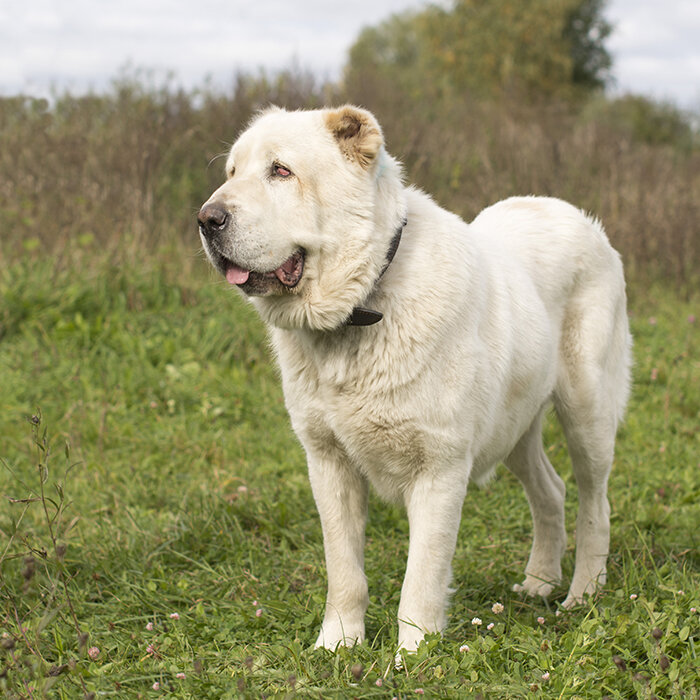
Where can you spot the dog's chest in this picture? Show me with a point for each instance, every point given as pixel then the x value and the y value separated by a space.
pixel 350 406
pixel 384 441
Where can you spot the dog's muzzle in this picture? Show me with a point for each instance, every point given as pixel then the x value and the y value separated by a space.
pixel 214 221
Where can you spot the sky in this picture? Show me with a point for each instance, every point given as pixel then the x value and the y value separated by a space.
pixel 82 45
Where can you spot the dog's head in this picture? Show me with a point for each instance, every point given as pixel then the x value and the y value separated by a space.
pixel 303 221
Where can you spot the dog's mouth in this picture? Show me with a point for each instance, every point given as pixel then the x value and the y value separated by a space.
pixel 288 274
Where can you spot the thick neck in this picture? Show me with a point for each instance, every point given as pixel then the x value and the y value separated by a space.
pixel 362 316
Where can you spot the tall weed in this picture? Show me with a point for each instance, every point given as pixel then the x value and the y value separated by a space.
pixel 129 169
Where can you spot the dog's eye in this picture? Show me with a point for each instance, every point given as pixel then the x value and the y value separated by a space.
pixel 280 170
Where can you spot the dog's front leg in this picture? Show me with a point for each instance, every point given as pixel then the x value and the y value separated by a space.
pixel 340 492
pixel 434 505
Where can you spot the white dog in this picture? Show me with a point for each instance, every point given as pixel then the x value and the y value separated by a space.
pixel 418 351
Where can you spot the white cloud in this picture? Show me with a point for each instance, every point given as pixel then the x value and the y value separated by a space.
pixel 656 49
pixel 78 43
pixel 84 43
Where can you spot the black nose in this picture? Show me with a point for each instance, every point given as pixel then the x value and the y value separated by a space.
pixel 212 218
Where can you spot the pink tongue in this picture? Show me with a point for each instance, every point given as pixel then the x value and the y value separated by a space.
pixel 237 275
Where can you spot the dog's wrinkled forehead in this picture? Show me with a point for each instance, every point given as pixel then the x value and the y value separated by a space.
pixel 277 136
pixel 352 134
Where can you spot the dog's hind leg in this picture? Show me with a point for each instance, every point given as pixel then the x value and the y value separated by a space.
pixel 545 493
pixel 590 397
pixel 591 448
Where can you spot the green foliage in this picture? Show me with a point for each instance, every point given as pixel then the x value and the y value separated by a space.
pixel 585 32
pixel 487 48
pixel 642 120
pixel 159 500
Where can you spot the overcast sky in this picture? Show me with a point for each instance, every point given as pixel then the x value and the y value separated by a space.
pixel 82 44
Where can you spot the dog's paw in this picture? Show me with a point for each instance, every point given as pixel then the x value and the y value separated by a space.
pixel 334 635
pixel 409 644
pixel 410 638
pixel 585 583
pixel 573 601
pixel 578 593
pixel 533 586
pixel 406 646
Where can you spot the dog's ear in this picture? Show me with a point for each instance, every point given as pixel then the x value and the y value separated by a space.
pixel 357 133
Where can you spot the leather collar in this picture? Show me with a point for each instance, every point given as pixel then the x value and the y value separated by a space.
pixel 362 316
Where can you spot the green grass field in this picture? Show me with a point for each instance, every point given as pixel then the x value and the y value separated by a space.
pixel 158 534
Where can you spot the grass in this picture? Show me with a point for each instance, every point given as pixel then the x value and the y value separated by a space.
pixel 156 518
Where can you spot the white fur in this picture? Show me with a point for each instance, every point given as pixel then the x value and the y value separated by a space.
pixel 485 324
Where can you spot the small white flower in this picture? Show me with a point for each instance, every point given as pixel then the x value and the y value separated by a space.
pixel 540 620
pixel 490 626
pixel 174 616
pixel 681 593
pixel 149 626
pixel 379 682
pixel 464 648
pixel 633 596
pixel 476 621
pixel 497 608
pixel 545 676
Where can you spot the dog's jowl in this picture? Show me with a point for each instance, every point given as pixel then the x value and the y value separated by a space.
pixel 418 351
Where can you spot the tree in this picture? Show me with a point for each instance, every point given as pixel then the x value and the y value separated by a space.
pixel 586 31
pixel 488 47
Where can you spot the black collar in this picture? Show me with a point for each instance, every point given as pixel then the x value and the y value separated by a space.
pixel 362 316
